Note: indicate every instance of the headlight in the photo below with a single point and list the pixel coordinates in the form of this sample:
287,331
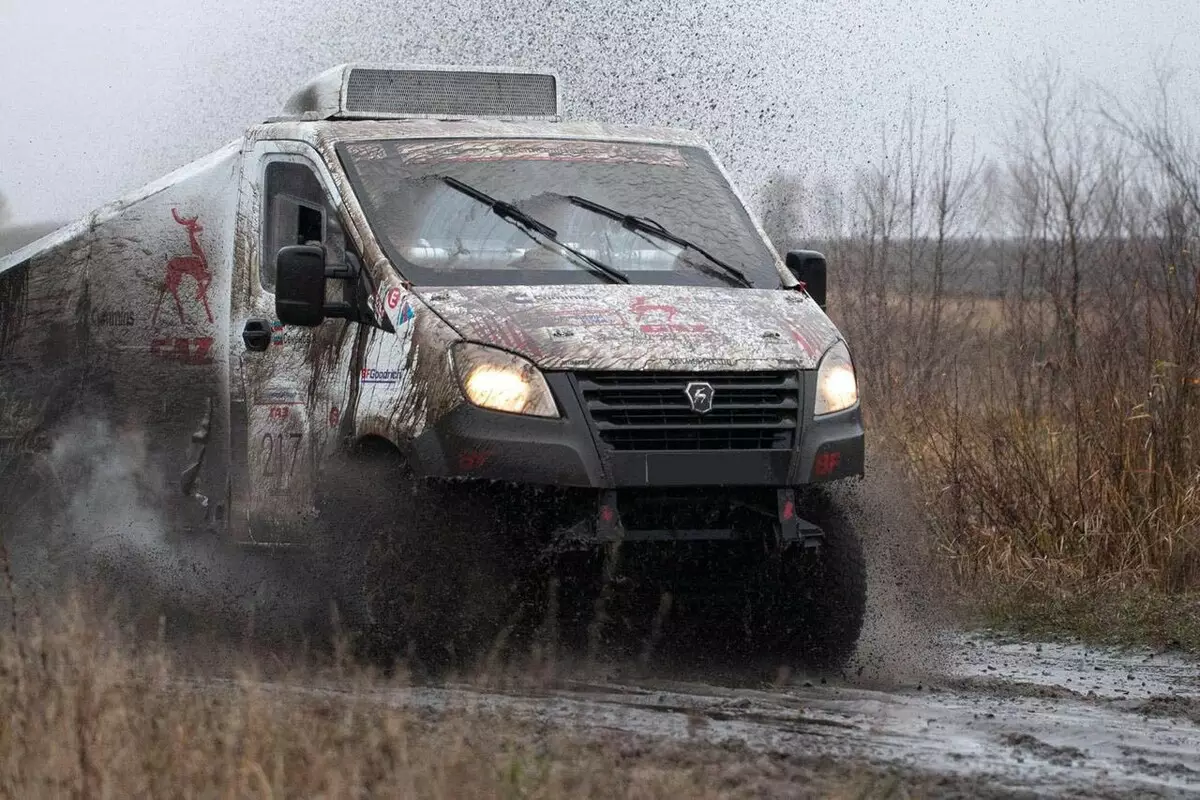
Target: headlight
837,388
501,381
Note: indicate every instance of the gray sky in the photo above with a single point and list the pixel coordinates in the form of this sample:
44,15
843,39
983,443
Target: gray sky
102,96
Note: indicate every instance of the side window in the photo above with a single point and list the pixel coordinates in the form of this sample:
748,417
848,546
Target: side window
297,211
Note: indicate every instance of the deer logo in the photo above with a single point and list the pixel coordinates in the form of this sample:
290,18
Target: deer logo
651,313
195,266
655,318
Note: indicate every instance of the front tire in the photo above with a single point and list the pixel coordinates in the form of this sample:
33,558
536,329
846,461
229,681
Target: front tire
421,571
813,613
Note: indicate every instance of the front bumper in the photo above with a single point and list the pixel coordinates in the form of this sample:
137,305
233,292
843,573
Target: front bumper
475,443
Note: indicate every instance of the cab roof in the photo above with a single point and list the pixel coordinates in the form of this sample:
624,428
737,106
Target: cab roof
364,91
356,102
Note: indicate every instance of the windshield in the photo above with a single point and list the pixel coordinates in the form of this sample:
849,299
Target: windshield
437,235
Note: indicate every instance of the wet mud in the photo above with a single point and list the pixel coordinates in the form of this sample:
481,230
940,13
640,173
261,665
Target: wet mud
954,713
1000,718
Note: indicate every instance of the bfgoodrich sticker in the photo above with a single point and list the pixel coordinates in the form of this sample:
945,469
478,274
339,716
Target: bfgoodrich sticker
380,376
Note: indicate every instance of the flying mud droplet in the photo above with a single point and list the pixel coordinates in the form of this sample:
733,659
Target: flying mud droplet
909,599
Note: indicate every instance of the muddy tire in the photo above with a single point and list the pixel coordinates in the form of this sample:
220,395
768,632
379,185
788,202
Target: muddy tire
422,575
813,613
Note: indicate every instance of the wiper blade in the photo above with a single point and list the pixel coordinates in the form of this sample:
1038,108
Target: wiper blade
531,225
647,225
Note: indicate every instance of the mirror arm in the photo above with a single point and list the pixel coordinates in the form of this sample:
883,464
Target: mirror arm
348,272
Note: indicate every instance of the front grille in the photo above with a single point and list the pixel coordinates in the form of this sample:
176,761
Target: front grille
652,411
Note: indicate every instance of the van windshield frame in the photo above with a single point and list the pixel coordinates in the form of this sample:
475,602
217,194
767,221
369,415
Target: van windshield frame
436,236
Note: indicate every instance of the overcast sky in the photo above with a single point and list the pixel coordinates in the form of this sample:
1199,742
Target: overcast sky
101,96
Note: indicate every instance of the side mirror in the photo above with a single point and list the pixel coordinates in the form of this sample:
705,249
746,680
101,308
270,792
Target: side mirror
810,268
301,273
300,285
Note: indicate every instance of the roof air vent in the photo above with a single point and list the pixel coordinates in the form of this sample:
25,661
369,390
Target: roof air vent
351,91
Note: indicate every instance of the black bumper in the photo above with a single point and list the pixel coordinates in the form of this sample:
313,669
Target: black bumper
471,442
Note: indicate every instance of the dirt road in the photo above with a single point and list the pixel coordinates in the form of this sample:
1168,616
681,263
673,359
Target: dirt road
980,714
1004,717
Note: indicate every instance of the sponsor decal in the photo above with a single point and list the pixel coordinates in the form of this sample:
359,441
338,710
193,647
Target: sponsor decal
335,416
194,267
277,333
692,363
656,318
805,344
112,318
406,313
535,150
385,376
587,316
279,412
277,396
183,349
393,298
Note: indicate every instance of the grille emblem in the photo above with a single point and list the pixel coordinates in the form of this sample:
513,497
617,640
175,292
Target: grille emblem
700,395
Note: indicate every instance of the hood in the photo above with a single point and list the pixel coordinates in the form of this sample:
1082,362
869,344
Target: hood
622,327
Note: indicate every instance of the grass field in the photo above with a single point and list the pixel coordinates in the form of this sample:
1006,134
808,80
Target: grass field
91,712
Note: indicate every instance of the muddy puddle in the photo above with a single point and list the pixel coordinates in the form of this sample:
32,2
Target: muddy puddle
1033,718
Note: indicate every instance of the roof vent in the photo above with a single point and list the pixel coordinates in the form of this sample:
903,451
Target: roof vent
350,91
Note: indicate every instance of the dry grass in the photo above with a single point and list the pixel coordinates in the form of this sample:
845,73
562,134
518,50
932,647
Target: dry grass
1045,478
90,711
87,715
1050,424
1144,616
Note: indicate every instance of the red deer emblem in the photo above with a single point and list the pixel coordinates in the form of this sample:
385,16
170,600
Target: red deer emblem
654,318
194,265
658,314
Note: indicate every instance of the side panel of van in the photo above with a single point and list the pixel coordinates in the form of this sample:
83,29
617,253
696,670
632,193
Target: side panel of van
119,320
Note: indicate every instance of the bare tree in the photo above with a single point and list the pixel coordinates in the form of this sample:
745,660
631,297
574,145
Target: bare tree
1060,149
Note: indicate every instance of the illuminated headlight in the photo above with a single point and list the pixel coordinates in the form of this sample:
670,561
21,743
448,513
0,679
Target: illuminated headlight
501,381
837,388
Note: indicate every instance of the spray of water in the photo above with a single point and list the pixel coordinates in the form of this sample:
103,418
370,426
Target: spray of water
88,513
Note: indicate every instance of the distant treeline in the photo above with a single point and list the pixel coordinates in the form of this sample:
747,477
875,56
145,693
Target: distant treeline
1026,330
988,267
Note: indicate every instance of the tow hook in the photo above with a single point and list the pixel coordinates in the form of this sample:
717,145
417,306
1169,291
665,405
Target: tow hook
608,520
791,527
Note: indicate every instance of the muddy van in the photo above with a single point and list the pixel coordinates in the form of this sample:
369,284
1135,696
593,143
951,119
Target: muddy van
422,327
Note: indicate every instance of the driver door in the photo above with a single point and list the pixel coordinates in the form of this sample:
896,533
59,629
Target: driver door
289,385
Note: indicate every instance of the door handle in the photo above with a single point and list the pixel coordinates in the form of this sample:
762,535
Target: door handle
257,335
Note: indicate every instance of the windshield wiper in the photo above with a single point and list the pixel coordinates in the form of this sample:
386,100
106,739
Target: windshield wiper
647,225
530,225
